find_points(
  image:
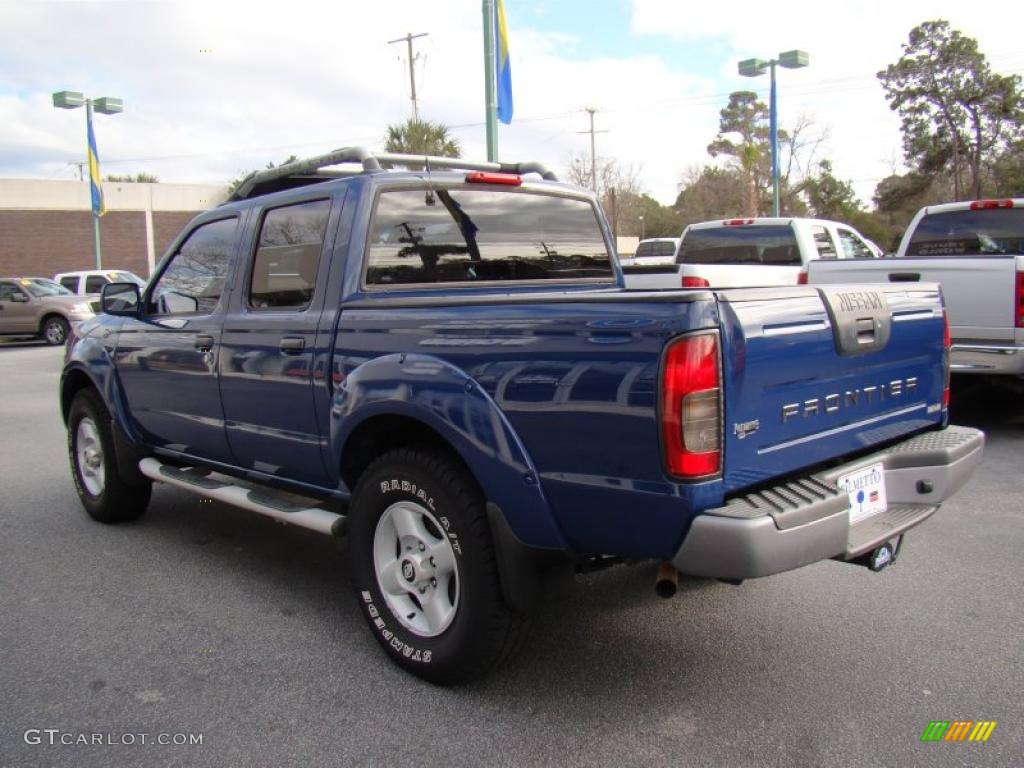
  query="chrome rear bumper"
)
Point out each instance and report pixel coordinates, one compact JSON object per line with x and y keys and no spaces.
{"x":806,"y":520}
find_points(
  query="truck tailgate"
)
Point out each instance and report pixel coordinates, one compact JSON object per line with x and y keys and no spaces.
{"x":978,"y":289}
{"x":817,"y":373}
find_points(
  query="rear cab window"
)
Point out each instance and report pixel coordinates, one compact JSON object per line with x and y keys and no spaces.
{"x":983,"y":232}
{"x":656,"y":248}
{"x":770,"y":245}
{"x":465,"y":235}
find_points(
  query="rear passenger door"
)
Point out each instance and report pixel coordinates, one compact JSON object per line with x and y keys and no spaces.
{"x":268,"y":344}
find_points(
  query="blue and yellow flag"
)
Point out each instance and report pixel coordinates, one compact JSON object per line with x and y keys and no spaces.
{"x":503,"y":68}
{"x":98,"y":207}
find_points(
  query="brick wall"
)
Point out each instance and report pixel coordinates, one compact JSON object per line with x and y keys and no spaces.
{"x":43,"y":243}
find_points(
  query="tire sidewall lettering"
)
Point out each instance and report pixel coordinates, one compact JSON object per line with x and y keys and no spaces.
{"x":378,"y":623}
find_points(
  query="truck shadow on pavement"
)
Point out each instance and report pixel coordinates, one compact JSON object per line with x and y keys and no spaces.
{"x":987,"y":402}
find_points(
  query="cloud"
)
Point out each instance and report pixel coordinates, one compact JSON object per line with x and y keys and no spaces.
{"x":212,"y":89}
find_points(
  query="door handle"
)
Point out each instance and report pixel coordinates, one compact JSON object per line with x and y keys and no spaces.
{"x":291,"y":345}
{"x":203,"y":342}
{"x":904,"y":277}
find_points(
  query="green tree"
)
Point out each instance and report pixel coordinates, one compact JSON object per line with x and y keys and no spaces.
{"x":957,"y":115}
{"x":1008,"y":172}
{"x":743,"y":136}
{"x":421,"y":137}
{"x":659,"y":220}
{"x":138,"y":178}
{"x":710,"y":193}
{"x":829,"y":197}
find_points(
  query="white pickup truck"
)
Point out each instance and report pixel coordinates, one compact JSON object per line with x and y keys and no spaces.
{"x":975,"y":249}
{"x":729,"y":253}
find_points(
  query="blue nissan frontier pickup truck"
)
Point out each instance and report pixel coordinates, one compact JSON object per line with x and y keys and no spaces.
{"x":440,"y":363}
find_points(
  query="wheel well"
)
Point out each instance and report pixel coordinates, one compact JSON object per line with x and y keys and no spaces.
{"x":380,"y":434}
{"x":47,"y":316}
{"x":74,"y":382}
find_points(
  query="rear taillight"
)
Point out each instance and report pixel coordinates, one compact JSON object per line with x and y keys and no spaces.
{"x":695,"y":282}
{"x":691,"y":407}
{"x":947,"y":343}
{"x":1018,"y":302}
{"x":985,"y":205}
{"x":801,"y":278}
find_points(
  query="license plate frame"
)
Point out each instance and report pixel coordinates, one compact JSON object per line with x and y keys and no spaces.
{"x":866,"y":489}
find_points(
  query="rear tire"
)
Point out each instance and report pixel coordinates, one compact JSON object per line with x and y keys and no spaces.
{"x":424,"y":569}
{"x":55,"y":330}
{"x":105,"y":494}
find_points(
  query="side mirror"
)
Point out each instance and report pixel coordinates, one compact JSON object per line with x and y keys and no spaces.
{"x":120,"y":299}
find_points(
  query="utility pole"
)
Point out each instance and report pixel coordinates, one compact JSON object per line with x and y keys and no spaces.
{"x":409,"y":37}
{"x":593,"y":153}
{"x":81,"y":166}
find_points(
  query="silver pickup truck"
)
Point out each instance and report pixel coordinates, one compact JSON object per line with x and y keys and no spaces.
{"x":975,"y":249}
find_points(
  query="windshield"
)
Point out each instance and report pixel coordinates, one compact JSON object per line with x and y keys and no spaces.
{"x":775,"y":245}
{"x":969,"y":233}
{"x":123,"y":276}
{"x":467,"y":235}
{"x":40,"y":286}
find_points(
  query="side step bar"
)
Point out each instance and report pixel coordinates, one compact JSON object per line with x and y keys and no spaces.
{"x":266,"y":501}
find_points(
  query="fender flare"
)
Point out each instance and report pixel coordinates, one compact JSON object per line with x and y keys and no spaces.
{"x":444,"y":398}
{"x":90,"y":362}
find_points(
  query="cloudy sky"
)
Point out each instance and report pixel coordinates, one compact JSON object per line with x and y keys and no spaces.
{"x":215,"y":88}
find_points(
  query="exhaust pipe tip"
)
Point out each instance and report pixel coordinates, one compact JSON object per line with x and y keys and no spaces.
{"x":666,"y":582}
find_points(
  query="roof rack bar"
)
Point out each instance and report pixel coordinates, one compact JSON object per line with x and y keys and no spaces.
{"x":372,"y":162}
{"x":458,"y":163}
{"x":307,"y":165}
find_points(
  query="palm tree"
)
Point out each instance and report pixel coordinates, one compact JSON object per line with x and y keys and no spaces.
{"x":421,"y":137}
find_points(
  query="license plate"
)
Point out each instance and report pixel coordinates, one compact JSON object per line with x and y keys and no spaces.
{"x":866,"y":488}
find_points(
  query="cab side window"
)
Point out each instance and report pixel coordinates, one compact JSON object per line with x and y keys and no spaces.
{"x":193,"y":281}
{"x":71,"y":283}
{"x":823,"y":242}
{"x":94,"y":283}
{"x":287,"y":256}
{"x":8,"y":291}
{"x":853,"y":246}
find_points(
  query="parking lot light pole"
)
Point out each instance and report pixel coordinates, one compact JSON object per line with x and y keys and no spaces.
{"x":106,"y":105}
{"x":756,"y":67}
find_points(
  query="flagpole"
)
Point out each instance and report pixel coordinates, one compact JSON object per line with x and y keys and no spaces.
{"x":95,"y":212}
{"x":489,"y":82}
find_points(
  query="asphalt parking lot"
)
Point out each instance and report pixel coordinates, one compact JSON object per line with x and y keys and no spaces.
{"x":203,"y":619}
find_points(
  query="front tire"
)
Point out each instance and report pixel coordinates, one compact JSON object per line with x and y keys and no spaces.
{"x":55,"y":330}
{"x":424,"y":568}
{"x":105,"y":494}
